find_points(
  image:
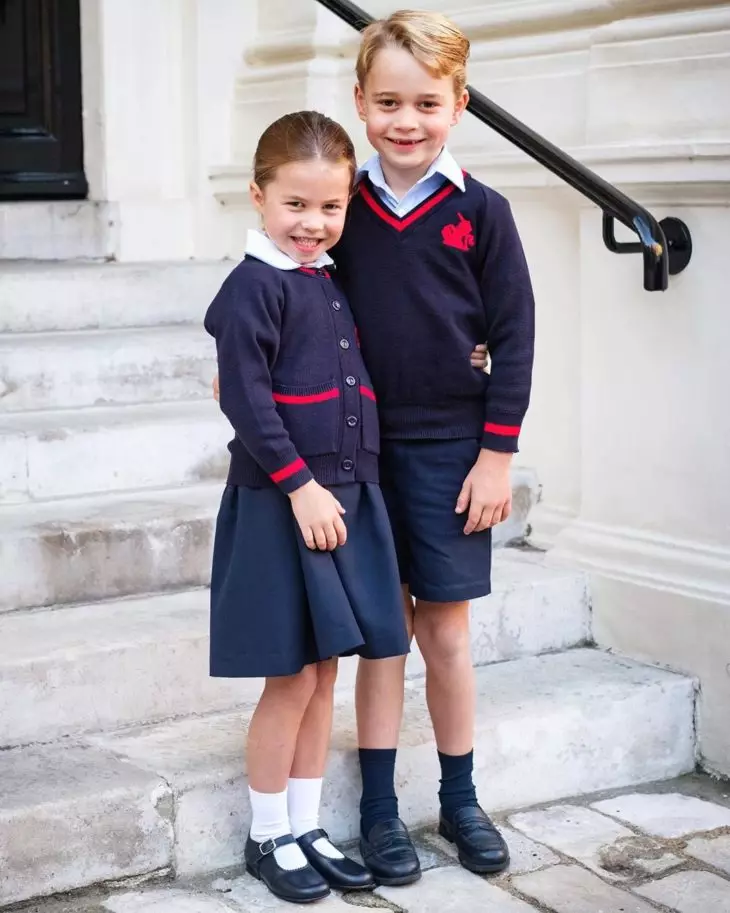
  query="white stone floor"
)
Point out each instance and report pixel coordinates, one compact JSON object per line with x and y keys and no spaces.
{"x":661,"y":847}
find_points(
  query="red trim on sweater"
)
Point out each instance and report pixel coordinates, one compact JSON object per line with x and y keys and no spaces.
{"x":288,"y":471}
{"x":402,"y":224}
{"x":294,"y":400}
{"x":365,"y":391}
{"x":502,"y":430}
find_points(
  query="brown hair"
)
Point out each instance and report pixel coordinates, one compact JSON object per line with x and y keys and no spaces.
{"x":301,"y":137}
{"x":431,"y":38}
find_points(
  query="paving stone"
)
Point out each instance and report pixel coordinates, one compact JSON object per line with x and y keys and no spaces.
{"x":714,"y":852}
{"x":666,"y":815}
{"x":661,"y":865}
{"x":578,"y":832}
{"x":570,"y":889}
{"x":453,"y":890}
{"x":690,"y":892}
{"x":252,"y":896}
{"x":165,"y":901}
{"x":525,"y":854}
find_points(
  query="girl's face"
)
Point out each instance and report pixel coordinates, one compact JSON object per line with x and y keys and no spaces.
{"x":303,"y":208}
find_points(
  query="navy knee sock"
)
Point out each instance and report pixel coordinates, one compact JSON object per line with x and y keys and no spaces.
{"x":378,"y":802}
{"x":457,"y":785}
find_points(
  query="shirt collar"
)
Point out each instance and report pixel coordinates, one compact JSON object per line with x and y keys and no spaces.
{"x":261,"y":247}
{"x":445,"y":164}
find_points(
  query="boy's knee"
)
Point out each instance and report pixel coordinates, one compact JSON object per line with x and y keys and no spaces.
{"x":442,"y":632}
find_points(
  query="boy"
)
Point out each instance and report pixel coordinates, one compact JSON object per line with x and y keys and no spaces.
{"x":431,"y":261}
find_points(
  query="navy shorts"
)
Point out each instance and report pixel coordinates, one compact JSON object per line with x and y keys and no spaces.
{"x":421,"y":481}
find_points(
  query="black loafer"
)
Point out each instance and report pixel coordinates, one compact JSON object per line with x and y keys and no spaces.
{"x":298,"y":886}
{"x":481,"y":847}
{"x":389,"y":854}
{"x":343,"y":874}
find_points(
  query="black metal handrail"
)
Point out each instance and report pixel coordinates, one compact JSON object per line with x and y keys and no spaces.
{"x":666,"y":246}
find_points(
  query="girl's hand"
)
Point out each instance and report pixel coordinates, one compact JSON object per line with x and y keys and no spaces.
{"x":216,"y":389}
{"x":319,"y":515}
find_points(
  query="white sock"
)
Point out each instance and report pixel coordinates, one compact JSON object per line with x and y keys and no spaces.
{"x":269,"y":820}
{"x":304,"y":799}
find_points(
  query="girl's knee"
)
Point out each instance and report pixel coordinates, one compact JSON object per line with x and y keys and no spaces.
{"x":297,"y":688}
{"x":326,"y":674}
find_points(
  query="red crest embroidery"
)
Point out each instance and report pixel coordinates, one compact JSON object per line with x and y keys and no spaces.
{"x":460,"y":236}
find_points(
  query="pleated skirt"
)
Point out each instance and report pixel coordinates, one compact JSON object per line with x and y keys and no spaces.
{"x":277,"y":606}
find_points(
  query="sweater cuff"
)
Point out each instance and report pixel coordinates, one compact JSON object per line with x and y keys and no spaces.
{"x":293,"y":476}
{"x":501,"y":436}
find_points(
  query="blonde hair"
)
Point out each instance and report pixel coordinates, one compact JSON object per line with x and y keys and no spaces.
{"x":432,"y":39}
{"x":301,"y":137}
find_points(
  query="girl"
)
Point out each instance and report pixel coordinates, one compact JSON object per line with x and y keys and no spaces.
{"x":301,"y":504}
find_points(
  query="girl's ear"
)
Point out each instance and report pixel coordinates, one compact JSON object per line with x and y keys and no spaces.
{"x":257,"y":195}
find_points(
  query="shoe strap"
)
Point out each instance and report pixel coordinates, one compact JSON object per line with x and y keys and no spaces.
{"x":268,"y":846}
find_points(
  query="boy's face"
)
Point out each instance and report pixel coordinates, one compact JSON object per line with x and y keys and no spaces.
{"x":408,"y":112}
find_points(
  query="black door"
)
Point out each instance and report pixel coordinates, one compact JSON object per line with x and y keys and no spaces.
{"x":41,"y":147}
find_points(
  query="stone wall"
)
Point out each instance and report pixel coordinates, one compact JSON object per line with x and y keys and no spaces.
{"x":629,"y":429}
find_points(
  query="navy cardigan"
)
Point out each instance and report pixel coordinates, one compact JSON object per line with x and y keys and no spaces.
{"x":292,"y":382}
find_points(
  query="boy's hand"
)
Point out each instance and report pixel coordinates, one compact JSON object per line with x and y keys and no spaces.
{"x":216,"y":389}
{"x":487,"y":492}
{"x":319,"y":515}
{"x":479,"y":358}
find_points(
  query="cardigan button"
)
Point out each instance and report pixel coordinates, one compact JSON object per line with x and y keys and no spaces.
{"x":351,"y":420}
{"x":344,"y":343}
{"x":336,"y":305}
{"x":350,"y":381}
{"x":348,"y":465}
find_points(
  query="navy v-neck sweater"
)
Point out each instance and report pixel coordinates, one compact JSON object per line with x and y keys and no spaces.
{"x":425,"y":289}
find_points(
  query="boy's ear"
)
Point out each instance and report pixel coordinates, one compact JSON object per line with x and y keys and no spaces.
{"x":360,"y":102}
{"x":257,"y":196}
{"x":460,"y":107}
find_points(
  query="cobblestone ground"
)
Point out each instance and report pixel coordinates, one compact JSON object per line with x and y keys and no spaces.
{"x":662,"y":847}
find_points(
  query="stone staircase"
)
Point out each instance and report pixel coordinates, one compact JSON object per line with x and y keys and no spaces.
{"x":121,"y":758}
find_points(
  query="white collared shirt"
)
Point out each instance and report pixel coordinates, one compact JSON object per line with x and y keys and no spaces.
{"x":444,"y":166}
{"x":261,"y":247}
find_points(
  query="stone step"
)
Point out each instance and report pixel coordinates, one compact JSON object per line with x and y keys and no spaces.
{"x":66,"y":453}
{"x":107,"y":665}
{"x":45,"y":297}
{"x":69,"y":370}
{"x":57,"y":230}
{"x":173,"y":796}
{"x":86,"y":549}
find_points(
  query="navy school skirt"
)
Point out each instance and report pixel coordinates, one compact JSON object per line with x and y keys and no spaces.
{"x":277,"y":606}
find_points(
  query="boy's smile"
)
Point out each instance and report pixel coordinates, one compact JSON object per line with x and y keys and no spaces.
{"x":408,"y":113}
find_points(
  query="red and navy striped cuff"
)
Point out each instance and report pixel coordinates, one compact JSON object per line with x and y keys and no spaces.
{"x":500,"y":437}
{"x":293,"y":476}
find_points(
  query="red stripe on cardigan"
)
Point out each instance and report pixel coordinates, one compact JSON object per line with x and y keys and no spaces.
{"x":288,"y":471}
{"x":365,"y":391}
{"x":293,"y":399}
{"x":502,"y":430}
